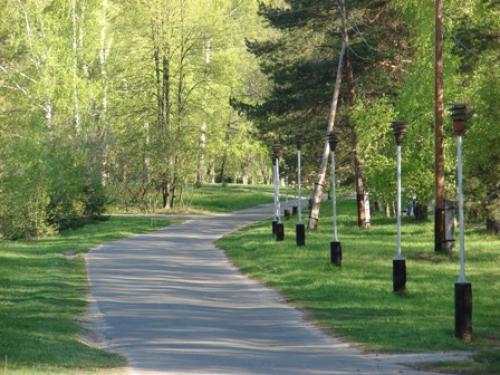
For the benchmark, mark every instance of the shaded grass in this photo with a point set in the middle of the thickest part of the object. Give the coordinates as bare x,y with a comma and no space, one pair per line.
42,293
356,300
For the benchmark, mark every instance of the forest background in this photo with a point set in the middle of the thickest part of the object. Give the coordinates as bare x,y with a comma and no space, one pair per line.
135,103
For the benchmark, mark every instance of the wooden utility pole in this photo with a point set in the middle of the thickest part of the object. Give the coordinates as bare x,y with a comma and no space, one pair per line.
439,240
320,180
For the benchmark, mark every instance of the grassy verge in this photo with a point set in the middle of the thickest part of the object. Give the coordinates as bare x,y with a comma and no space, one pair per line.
356,301
42,294
211,198
218,198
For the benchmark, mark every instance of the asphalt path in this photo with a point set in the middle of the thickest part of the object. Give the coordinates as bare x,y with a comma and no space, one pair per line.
172,303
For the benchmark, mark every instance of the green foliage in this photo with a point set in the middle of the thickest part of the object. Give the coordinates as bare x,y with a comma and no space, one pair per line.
88,113
470,76
372,120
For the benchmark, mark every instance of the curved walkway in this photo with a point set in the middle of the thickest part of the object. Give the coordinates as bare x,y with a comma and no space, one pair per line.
171,303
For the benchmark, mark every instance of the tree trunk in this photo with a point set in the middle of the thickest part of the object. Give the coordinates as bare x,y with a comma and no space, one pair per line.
212,172
387,210
147,160
165,97
222,168
103,55
172,196
421,212
320,179
200,175
245,171
159,92
165,192
76,109
439,232
351,97
493,226
360,188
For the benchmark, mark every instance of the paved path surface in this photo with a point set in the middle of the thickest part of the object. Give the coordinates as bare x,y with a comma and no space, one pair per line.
171,303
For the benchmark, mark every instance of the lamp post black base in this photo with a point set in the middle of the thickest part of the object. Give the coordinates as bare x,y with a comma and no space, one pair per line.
287,214
463,311
295,210
300,234
399,275
336,253
280,232
275,222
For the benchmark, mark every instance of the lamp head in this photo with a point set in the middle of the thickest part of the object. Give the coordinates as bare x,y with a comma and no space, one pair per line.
332,140
459,116
277,150
299,140
399,129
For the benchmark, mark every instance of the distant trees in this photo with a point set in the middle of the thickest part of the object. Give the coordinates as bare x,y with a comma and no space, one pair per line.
301,60
133,101
391,52
106,101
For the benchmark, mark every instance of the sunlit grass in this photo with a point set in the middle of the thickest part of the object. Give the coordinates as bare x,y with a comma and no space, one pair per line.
218,198
43,293
206,199
356,300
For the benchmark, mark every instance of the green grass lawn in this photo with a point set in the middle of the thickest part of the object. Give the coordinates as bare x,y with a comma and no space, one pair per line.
42,294
210,198
356,301
218,198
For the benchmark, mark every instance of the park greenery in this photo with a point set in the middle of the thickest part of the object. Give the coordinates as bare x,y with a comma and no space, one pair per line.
356,301
104,102
170,106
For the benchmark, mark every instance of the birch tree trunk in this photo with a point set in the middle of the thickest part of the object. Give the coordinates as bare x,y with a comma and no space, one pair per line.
103,57
200,175
320,180
74,24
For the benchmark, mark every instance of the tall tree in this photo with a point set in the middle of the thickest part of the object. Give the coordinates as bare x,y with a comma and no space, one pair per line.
439,216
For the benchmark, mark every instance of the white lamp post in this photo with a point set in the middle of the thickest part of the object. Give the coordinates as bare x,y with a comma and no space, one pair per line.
335,246
300,232
287,209
275,206
399,263
280,230
463,289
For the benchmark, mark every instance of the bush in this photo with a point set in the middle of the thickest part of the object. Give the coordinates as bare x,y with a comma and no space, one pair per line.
94,199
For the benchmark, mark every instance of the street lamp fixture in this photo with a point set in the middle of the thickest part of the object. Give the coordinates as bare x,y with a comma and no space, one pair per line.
463,289
300,231
335,246
275,220
280,230
287,209
399,129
